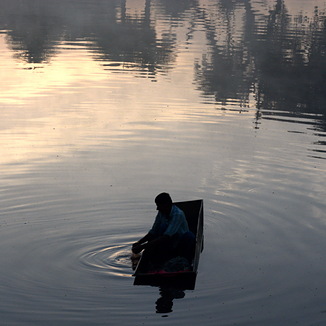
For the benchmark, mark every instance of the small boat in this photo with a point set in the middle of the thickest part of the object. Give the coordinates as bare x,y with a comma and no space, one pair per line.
186,277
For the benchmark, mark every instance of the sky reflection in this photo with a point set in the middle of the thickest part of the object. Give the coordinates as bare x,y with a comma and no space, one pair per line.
274,50
262,59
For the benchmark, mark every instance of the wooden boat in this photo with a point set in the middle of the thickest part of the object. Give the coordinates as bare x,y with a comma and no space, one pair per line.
183,278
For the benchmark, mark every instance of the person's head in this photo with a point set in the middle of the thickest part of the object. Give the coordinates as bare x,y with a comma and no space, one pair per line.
164,203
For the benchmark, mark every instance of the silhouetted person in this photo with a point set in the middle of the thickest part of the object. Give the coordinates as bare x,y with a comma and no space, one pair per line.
169,235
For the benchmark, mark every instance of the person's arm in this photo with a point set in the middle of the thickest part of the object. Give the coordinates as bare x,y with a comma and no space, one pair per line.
155,242
148,237
140,244
137,247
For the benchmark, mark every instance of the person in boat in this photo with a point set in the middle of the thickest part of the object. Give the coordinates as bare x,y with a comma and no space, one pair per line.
169,235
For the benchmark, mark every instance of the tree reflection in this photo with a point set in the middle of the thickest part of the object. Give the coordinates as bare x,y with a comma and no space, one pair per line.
176,8
279,58
226,71
32,32
34,29
291,64
132,40
286,62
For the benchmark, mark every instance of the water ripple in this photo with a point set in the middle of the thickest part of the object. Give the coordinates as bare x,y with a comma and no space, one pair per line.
113,260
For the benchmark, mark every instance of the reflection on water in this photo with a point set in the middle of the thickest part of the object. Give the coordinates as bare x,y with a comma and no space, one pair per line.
164,303
113,260
247,56
279,58
272,56
105,103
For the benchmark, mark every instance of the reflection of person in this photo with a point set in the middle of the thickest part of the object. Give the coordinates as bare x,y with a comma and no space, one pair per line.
169,234
164,304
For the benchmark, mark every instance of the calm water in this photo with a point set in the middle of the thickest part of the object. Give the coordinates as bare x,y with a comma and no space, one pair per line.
104,104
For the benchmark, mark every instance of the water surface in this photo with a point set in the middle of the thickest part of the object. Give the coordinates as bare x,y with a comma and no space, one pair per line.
104,104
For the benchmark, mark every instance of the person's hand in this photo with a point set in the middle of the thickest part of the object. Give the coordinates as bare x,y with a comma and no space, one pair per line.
137,248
